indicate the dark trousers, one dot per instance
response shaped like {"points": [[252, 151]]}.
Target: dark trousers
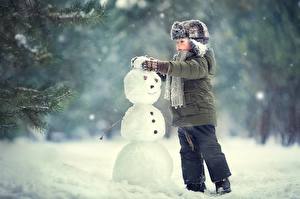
{"points": [[200, 143]]}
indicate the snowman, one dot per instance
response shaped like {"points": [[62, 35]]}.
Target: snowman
{"points": [[143, 161]]}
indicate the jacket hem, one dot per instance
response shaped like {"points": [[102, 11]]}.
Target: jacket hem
{"points": [[195, 120]]}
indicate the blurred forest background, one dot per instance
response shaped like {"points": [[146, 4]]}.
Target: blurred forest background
{"points": [[71, 57]]}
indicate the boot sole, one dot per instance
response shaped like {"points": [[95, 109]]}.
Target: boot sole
{"points": [[222, 191]]}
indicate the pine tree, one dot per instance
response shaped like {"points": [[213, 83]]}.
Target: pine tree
{"points": [[28, 58]]}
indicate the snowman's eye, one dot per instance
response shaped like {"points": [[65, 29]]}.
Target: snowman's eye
{"points": [[156, 80], [145, 77]]}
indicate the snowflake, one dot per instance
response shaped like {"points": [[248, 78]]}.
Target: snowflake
{"points": [[91, 117], [61, 38], [260, 95]]}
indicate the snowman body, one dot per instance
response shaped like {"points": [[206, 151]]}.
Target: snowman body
{"points": [[143, 163], [143, 160]]}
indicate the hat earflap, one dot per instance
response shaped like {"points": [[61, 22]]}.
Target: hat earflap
{"points": [[198, 47]]}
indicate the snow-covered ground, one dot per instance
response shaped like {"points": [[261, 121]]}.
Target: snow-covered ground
{"points": [[83, 170]]}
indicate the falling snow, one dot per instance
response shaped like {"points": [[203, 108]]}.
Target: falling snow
{"points": [[61, 38], [260, 95], [91, 117]]}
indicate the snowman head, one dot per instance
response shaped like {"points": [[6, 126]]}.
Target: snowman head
{"points": [[142, 86], [136, 62], [143, 122]]}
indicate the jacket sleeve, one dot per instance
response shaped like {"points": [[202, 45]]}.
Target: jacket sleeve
{"points": [[190, 69]]}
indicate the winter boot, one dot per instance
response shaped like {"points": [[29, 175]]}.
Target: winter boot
{"points": [[223, 186], [196, 187]]}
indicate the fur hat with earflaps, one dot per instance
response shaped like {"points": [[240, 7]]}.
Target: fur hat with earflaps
{"points": [[196, 31], [192, 29]]}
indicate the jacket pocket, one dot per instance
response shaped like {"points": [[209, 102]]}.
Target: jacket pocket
{"points": [[188, 97], [190, 107], [202, 101]]}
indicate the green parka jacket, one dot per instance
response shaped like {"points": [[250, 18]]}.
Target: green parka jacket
{"points": [[199, 99]]}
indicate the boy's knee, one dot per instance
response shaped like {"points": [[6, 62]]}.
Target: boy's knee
{"points": [[211, 150], [188, 154]]}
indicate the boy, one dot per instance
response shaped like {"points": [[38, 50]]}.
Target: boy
{"points": [[189, 89]]}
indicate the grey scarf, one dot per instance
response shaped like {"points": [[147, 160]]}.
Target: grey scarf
{"points": [[174, 85]]}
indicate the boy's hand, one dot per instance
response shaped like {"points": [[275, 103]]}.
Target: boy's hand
{"points": [[156, 65], [150, 65]]}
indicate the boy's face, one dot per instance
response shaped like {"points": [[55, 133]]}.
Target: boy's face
{"points": [[183, 44]]}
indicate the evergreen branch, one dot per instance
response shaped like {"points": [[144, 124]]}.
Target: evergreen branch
{"points": [[89, 13], [36, 108], [6, 126], [31, 105], [35, 119], [63, 96], [29, 90], [4, 115], [30, 14], [26, 41]]}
